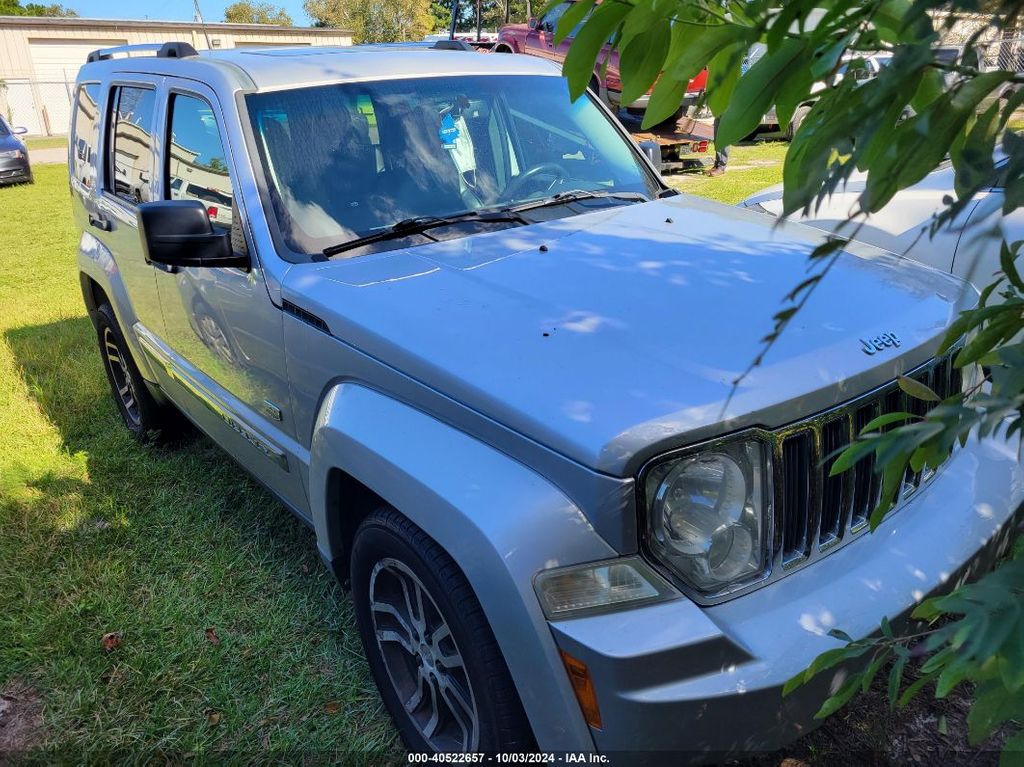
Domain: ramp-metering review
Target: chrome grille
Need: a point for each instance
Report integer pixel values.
(815, 512)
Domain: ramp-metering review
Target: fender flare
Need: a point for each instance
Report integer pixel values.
(501, 523)
(97, 264)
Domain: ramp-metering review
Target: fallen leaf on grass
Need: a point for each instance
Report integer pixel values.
(111, 640)
(211, 636)
(213, 718)
(333, 707)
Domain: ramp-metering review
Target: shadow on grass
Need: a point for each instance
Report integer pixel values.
(166, 544)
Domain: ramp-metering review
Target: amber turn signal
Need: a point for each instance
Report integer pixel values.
(583, 686)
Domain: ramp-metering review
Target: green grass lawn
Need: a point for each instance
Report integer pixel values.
(752, 167)
(46, 142)
(235, 641)
(99, 535)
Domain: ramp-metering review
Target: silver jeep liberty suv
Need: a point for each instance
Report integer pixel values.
(458, 325)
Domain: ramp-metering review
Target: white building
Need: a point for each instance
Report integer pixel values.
(40, 57)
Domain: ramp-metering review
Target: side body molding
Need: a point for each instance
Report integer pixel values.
(500, 521)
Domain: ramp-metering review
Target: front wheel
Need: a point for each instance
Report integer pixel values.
(433, 655)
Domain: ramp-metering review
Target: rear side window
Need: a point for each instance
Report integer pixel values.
(130, 172)
(197, 168)
(85, 134)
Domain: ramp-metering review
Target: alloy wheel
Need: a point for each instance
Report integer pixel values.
(422, 659)
(120, 375)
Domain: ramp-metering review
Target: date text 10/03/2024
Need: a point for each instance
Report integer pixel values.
(507, 758)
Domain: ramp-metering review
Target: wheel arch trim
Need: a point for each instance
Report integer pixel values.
(498, 520)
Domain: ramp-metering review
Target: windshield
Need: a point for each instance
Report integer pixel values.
(348, 160)
(4, 130)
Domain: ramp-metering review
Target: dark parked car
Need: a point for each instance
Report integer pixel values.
(14, 165)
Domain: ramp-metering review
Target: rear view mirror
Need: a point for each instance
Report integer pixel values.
(532, 23)
(19, 131)
(180, 233)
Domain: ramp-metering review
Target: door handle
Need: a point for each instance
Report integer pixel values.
(100, 223)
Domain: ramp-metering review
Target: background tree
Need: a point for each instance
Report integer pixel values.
(975, 636)
(374, 21)
(15, 8)
(244, 12)
(494, 13)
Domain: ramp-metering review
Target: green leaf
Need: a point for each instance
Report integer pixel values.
(573, 16)
(841, 696)
(1013, 751)
(694, 46)
(886, 419)
(911, 692)
(917, 390)
(857, 450)
(895, 678)
(665, 99)
(723, 74)
(992, 704)
(758, 88)
(579, 63)
(793, 683)
(869, 674)
(840, 635)
(642, 61)
(1007, 256)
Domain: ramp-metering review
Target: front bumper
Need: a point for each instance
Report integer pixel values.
(14, 171)
(707, 682)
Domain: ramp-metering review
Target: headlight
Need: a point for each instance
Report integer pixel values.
(709, 516)
(12, 154)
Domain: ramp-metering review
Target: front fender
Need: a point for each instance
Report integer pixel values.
(96, 262)
(501, 523)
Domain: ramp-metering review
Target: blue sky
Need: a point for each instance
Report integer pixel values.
(173, 10)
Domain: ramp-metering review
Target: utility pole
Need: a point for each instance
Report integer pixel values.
(478, 15)
(199, 17)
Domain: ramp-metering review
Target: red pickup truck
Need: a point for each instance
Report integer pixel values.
(536, 38)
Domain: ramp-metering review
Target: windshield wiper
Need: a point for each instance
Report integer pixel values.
(575, 195)
(423, 224)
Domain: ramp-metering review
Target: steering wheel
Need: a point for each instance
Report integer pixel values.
(519, 182)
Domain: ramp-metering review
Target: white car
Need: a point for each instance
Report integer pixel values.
(965, 246)
(872, 66)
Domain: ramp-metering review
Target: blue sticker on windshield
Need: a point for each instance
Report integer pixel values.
(448, 132)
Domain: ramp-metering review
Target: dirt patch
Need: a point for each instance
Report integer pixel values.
(21, 719)
(867, 731)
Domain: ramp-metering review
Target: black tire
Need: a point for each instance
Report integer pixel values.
(387, 540)
(798, 118)
(147, 419)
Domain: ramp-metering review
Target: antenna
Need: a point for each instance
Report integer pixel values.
(199, 15)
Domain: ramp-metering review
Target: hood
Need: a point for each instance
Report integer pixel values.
(611, 336)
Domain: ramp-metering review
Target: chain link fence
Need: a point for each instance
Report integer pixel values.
(1003, 54)
(43, 107)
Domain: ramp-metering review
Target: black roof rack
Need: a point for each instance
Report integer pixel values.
(175, 50)
(452, 45)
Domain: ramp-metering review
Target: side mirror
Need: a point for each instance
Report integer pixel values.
(179, 233)
(20, 131)
(532, 23)
(653, 151)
